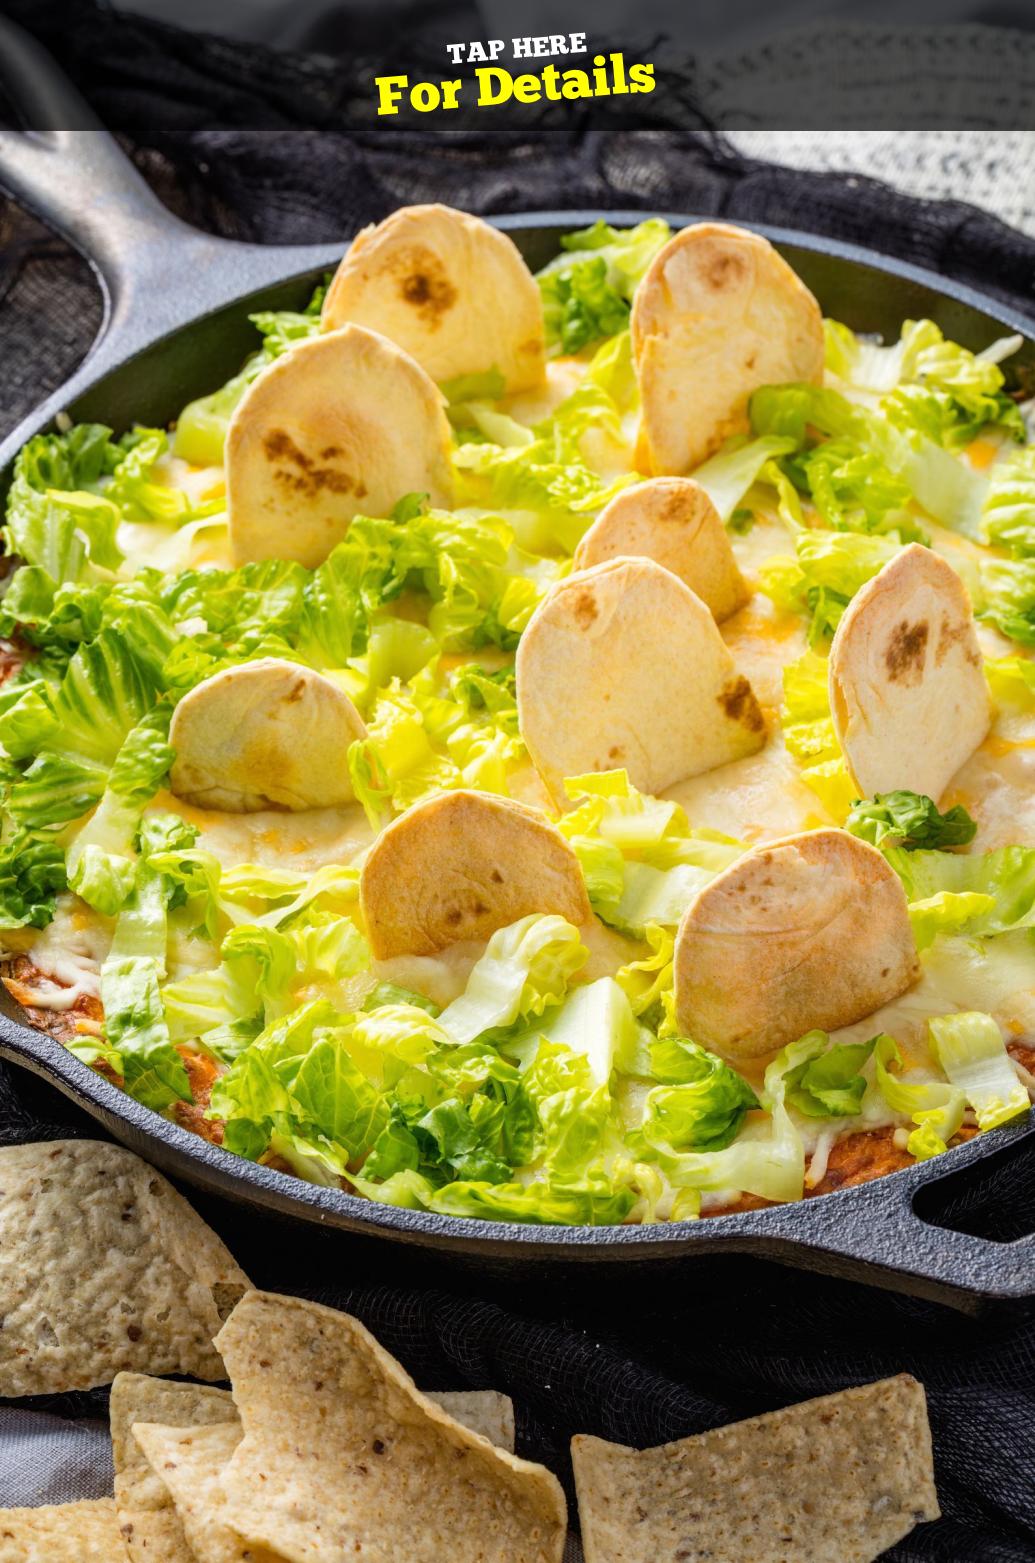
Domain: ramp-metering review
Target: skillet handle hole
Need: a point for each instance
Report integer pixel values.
(994, 1199)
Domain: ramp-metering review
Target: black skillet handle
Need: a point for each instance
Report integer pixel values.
(156, 272)
(880, 1226)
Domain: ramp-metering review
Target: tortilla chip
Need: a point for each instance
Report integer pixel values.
(808, 931)
(85, 1532)
(484, 1411)
(907, 684)
(461, 865)
(622, 666)
(451, 290)
(265, 734)
(149, 1523)
(103, 1268)
(150, 1516)
(718, 314)
(344, 424)
(341, 1454)
(673, 522)
(835, 1480)
(190, 1461)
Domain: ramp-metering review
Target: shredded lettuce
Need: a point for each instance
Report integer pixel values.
(808, 731)
(526, 967)
(936, 1108)
(970, 1049)
(911, 821)
(588, 288)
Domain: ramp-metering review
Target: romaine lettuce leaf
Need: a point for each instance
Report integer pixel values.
(911, 821)
(588, 288)
(970, 1049)
(526, 967)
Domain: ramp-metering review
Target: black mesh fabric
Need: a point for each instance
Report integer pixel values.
(636, 1355)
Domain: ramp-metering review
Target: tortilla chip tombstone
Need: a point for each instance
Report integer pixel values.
(448, 288)
(673, 522)
(907, 684)
(458, 867)
(809, 931)
(835, 1480)
(622, 666)
(718, 314)
(266, 734)
(344, 424)
(340, 1452)
(86, 1532)
(103, 1268)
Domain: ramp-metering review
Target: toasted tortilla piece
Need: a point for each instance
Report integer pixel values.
(834, 1480)
(623, 666)
(267, 734)
(86, 1532)
(104, 1268)
(907, 685)
(461, 865)
(810, 931)
(150, 1525)
(151, 1503)
(450, 289)
(341, 1452)
(673, 522)
(718, 314)
(344, 424)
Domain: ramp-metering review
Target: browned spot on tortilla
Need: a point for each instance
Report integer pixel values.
(295, 693)
(905, 652)
(738, 701)
(723, 270)
(615, 752)
(585, 609)
(496, 877)
(330, 452)
(299, 472)
(426, 287)
(949, 635)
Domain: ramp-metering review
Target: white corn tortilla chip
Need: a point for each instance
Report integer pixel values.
(673, 522)
(189, 1461)
(449, 289)
(622, 666)
(835, 1480)
(265, 734)
(484, 1411)
(150, 1526)
(341, 1454)
(458, 867)
(718, 314)
(810, 931)
(84, 1532)
(907, 684)
(344, 424)
(153, 1500)
(103, 1268)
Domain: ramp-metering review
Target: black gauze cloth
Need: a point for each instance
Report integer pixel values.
(634, 1354)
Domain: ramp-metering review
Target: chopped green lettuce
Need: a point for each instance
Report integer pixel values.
(911, 821)
(588, 288)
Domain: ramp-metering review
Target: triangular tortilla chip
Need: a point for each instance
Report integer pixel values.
(136, 1281)
(149, 1515)
(189, 1461)
(461, 865)
(718, 314)
(266, 734)
(907, 684)
(835, 1480)
(341, 1454)
(622, 666)
(150, 1525)
(811, 931)
(450, 289)
(344, 424)
(673, 522)
(86, 1532)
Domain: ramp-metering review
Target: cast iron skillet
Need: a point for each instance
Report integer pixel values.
(174, 327)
